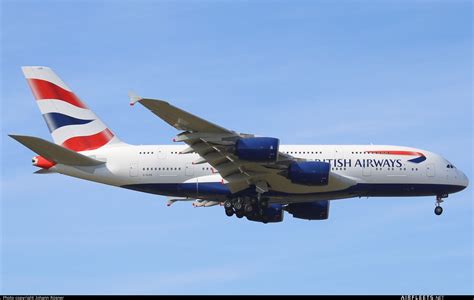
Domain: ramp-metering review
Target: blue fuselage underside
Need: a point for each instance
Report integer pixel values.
(219, 190)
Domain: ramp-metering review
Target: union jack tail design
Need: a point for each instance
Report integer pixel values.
(71, 123)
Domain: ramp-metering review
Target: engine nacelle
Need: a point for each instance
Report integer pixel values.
(309, 172)
(257, 149)
(318, 210)
(272, 214)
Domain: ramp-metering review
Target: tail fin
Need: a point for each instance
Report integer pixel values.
(71, 123)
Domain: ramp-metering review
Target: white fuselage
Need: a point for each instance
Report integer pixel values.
(376, 170)
(241, 171)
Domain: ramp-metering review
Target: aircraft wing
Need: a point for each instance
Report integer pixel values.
(181, 119)
(215, 144)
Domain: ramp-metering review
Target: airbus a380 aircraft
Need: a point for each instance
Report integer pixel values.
(250, 176)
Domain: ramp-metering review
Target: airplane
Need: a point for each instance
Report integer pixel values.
(250, 176)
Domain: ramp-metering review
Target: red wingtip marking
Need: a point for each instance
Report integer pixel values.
(43, 89)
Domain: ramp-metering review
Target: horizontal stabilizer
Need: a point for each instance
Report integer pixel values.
(55, 153)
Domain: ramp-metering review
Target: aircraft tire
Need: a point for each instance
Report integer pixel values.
(228, 204)
(238, 205)
(248, 208)
(239, 214)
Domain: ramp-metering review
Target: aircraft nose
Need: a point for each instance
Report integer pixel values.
(464, 180)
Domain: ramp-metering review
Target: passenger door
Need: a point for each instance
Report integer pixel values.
(189, 170)
(133, 169)
(430, 170)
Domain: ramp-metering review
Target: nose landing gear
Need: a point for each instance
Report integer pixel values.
(438, 209)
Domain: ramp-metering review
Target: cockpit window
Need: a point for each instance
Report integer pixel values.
(449, 165)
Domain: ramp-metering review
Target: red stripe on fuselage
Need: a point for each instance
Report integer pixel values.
(90, 142)
(397, 152)
(43, 89)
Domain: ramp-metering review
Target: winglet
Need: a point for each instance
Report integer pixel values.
(134, 98)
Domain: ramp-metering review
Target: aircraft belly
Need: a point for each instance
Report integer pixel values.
(336, 183)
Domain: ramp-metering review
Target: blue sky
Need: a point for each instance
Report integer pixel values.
(308, 72)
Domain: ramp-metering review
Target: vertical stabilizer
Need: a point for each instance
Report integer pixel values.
(71, 123)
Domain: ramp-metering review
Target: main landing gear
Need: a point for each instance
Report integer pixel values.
(438, 209)
(245, 206)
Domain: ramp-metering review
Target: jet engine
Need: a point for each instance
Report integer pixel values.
(260, 149)
(309, 172)
(318, 210)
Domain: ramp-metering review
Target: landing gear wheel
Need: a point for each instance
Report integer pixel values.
(228, 204)
(248, 208)
(239, 214)
(238, 205)
(439, 199)
(264, 203)
(229, 212)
